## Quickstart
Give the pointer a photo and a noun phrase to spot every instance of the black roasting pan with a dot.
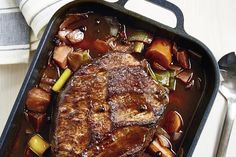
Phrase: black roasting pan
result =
(177, 34)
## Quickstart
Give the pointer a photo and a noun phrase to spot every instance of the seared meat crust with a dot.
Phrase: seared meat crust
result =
(108, 108)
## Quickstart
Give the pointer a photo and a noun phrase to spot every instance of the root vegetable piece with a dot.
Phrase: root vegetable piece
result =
(161, 131)
(173, 122)
(164, 141)
(60, 55)
(160, 52)
(100, 46)
(75, 36)
(75, 60)
(185, 76)
(141, 36)
(37, 100)
(156, 147)
(38, 145)
(183, 59)
(37, 120)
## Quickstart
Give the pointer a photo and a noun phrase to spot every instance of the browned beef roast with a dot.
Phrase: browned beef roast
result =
(109, 108)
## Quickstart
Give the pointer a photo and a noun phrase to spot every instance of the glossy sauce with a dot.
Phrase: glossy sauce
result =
(182, 100)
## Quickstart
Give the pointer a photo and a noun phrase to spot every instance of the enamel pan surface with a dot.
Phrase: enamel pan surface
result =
(117, 9)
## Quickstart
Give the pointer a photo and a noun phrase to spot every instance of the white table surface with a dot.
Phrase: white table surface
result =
(211, 21)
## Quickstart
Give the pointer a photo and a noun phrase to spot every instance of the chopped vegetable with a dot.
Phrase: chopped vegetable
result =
(163, 78)
(160, 52)
(60, 55)
(38, 145)
(156, 147)
(86, 56)
(37, 100)
(150, 71)
(173, 122)
(62, 80)
(75, 60)
(164, 141)
(141, 36)
(161, 131)
(183, 59)
(63, 33)
(172, 84)
(100, 46)
(75, 36)
(114, 30)
(138, 47)
(37, 120)
(185, 76)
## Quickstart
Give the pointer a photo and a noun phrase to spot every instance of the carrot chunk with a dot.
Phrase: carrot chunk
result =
(160, 52)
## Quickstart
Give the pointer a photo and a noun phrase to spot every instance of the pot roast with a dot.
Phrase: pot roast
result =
(109, 108)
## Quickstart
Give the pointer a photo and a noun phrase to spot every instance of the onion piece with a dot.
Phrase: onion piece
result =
(173, 122)
(156, 147)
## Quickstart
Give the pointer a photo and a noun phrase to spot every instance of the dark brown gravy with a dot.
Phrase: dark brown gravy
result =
(183, 100)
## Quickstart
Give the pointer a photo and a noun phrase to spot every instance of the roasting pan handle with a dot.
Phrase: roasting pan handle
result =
(167, 5)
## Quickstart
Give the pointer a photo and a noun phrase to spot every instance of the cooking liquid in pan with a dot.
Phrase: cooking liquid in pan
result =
(183, 100)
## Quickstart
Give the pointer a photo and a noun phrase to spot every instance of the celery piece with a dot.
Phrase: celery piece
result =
(172, 73)
(138, 46)
(141, 36)
(86, 56)
(62, 80)
(150, 71)
(172, 85)
(163, 78)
